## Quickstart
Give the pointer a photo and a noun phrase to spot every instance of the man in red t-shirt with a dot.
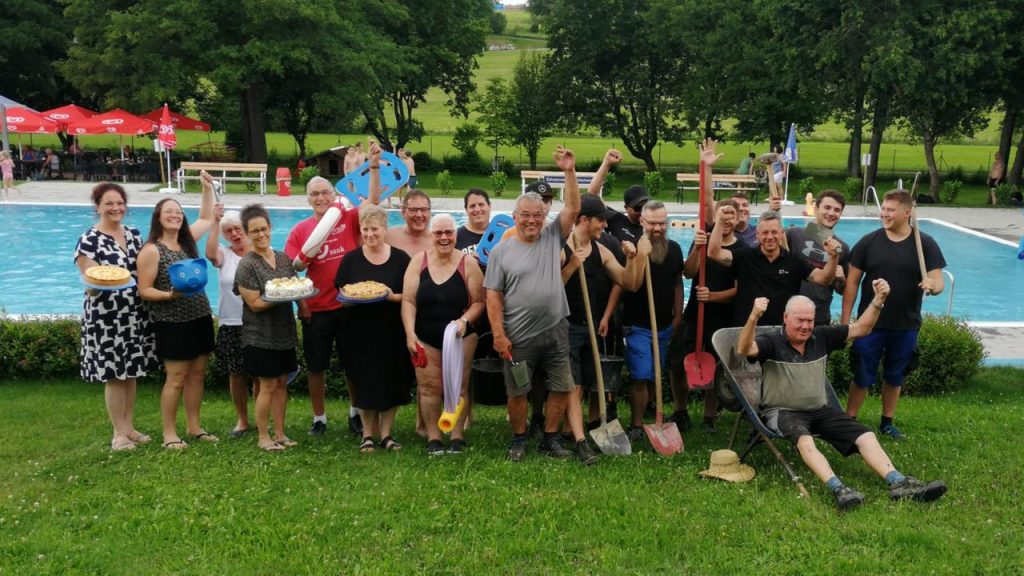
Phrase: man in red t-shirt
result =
(321, 315)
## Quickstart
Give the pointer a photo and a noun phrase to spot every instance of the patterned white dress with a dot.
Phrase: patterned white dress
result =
(117, 342)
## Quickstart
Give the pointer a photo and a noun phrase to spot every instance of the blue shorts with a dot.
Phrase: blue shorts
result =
(893, 349)
(640, 352)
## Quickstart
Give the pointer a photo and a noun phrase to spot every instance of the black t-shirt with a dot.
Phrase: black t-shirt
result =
(593, 268)
(665, 277)
(748, 236)
(466, 240)
(623, 229)
(879, 257)
(717, 278)
(756, 277)
(824, 339)
(815, 255)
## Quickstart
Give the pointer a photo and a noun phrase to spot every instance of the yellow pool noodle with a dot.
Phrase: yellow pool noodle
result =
(448, 419)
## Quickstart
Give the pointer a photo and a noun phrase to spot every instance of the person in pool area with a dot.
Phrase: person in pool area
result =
(477, 204)
(890, 252)
(7, 168)
(183, 323)
(269, 336)
(117, 342)
(794, 399)
(227, 353)
(412, 237)
(321, 315)
(828, 209)
(441, 286)
(372, 347)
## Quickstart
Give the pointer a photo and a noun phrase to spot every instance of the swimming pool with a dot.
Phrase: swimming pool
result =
(37, 275)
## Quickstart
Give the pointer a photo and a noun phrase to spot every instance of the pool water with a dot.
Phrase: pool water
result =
(38, 276)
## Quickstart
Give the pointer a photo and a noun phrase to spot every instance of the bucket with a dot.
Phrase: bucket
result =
(488, 382)
(611, 370)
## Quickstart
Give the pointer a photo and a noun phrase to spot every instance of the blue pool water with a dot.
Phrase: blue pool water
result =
(37, 275)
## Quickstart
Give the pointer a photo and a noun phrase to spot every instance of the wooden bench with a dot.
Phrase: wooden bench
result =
(746, 183)
(220, 170)
(555, 179)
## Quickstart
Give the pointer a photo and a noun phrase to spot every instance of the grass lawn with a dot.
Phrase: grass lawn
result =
(69, 506)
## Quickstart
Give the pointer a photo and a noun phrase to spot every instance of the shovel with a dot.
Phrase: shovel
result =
(917, 230)
(609, 436)
(700, 365)
(664, 438)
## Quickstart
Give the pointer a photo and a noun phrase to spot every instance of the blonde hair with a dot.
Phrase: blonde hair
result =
(5, 154)
(373, 212)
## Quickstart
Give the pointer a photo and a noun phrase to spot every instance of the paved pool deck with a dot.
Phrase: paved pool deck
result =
(1003, 342)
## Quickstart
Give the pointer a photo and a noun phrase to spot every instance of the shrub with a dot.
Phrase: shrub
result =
(1003, 192)
(498, 22)
(498, 182)
(467, 136)
(306, 175)
(853, 188)
(467, 164)
(950, 353)
(807, 186)
(45, 348)
(653, 182)
(446, 182)
(424, 162)
(950, 190)
(609, 184)
(955, 173)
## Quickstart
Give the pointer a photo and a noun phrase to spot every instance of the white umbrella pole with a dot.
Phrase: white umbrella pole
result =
(120, 144)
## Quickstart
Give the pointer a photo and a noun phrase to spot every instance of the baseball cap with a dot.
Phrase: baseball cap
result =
(541, 187)
(593, 207)
(635, 197)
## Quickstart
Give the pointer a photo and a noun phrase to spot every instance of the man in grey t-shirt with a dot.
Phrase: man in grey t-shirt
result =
(527, 309)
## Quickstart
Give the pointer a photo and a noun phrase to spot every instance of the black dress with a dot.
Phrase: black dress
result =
(372, 345)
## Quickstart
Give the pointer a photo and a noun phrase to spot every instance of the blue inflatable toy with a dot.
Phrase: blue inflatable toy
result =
(1020, 249)
(499, 224)
(188, 277)
(356, 185)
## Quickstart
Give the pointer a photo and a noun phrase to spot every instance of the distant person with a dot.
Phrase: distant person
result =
(747, 165)
(890, 253)
(477, 205)
(406, 158)
(627, 227)
(183, 323)
(350, 163)
(74, 148)
(51, 164)
(7, 168)
(117, 346)
(996, 175)
(360, 154)
(28, 154)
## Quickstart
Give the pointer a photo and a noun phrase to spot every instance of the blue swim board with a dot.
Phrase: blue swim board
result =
(356, 185)
(499, 224)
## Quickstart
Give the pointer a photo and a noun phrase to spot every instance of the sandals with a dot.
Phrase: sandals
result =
(122, 446)
(367, 447)
(389, 443)
(138, 437)
(286, 442)
(205, 437)
(175, 445)
(271, 447)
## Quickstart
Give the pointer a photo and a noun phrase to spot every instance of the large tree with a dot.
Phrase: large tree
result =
(613, 73)
(427, 44)
(33, 35)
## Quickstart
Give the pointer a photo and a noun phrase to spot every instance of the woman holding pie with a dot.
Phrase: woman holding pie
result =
(183, 323)
(117, 343)
(442, 286)
(372, 349)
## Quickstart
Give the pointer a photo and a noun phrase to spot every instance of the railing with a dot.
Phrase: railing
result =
(870, 191)
(952, 288)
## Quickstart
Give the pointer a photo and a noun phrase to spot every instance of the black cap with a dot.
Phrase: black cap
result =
(593, 207)
(541, 187)
(635, 197)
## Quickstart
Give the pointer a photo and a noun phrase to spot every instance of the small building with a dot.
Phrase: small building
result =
(330, 163)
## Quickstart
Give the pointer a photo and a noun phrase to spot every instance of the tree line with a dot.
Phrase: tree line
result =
(642, 71)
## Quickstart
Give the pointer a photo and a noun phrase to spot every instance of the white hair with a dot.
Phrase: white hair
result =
(231, 217)
(798, 300)
(444, 217)
(317, 180)
(528, 197)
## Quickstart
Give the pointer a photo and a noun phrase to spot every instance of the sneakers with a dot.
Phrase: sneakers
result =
(435, 448)
(613, 411)
(456, 446)
(635, 434)
(585, 453)
(913, 489)
(708, 426)
(847, 498)
(554, 449)
(318, 428)
(536, 427)
(892, 431)
(681, 418)
(517, 449)
(355, 424)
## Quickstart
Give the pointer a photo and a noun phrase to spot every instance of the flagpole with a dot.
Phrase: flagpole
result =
(789, 157)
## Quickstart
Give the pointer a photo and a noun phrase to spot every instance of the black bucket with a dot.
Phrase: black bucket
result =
(611, 369)
(488, 382)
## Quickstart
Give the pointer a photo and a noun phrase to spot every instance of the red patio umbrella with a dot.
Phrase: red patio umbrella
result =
(68, 113)
(179, 121)
(25, 121)
(117, 121)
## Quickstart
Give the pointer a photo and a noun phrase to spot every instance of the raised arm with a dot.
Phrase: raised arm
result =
(866, 322)
(202, 225)
(746, 345)
(212, 241)
(611, 157)
(708, 156)
(826, 275)
(715, 250)
(566, 161)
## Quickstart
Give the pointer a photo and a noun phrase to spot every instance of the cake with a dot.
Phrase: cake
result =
(368, 290)
(108, 276)
(284, 288)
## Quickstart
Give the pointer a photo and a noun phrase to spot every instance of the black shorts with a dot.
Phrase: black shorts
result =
(830, 424)
(184, 340)
(266, 363)
(227, 355)
(320, 334)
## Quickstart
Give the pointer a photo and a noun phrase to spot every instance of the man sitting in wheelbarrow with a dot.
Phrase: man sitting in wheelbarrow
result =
(794, 398)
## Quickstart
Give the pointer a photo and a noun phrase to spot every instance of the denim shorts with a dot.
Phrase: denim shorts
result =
(640, 351)
(895, 350)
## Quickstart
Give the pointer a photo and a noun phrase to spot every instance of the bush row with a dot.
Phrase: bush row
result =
(950, 353)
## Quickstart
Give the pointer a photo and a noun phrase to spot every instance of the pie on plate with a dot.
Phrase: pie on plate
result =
(108, 276)
(367, 290)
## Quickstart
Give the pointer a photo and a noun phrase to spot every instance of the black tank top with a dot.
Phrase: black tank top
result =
(573, 290)
(438, 304)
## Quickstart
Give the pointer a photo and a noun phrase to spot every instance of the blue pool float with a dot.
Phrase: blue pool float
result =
(493, 235)
(1020, 249)
(356, 185)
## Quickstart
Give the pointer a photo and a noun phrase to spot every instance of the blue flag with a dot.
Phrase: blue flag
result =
(790, 153)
